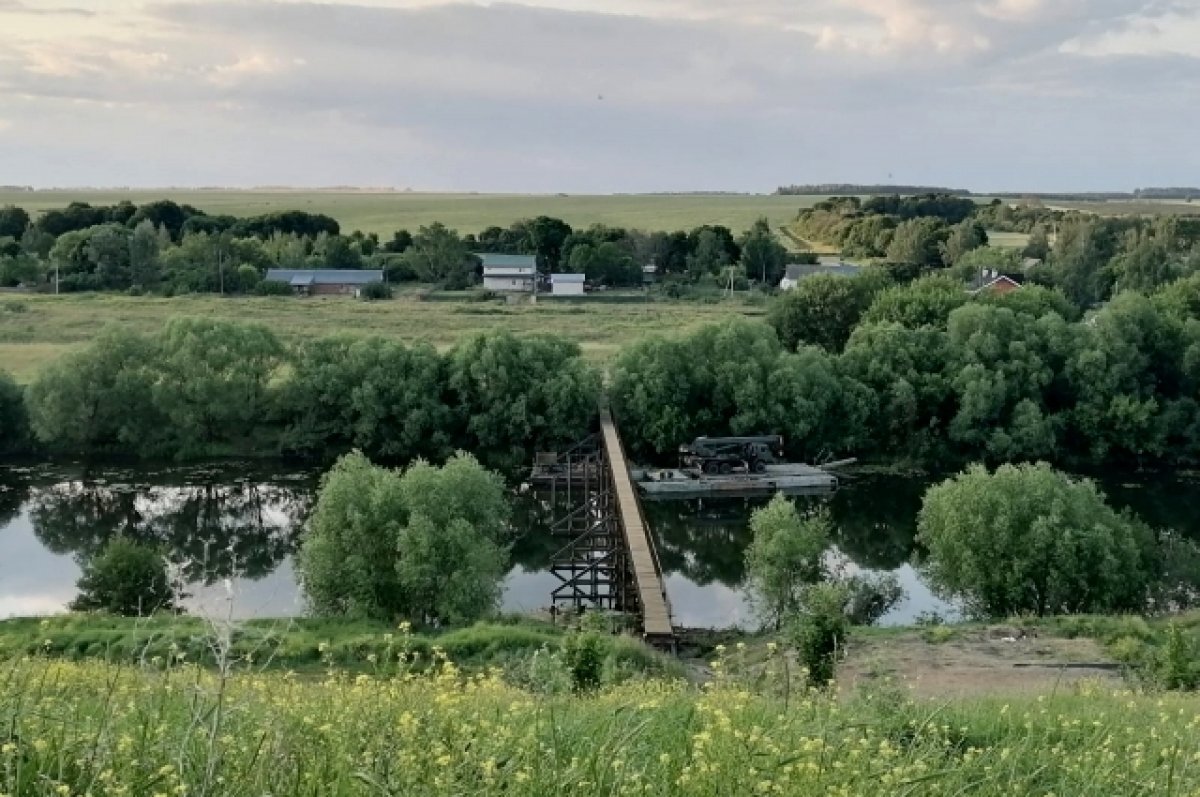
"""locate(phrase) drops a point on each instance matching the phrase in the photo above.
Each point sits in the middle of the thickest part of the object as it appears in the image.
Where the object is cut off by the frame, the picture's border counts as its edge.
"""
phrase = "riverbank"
(1019, 657)
(105, 729)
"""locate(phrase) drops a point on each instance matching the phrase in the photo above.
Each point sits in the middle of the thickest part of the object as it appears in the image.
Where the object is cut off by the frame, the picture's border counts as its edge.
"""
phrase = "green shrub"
(273, 288)
(1178, 668)
(819, 630)
(375, 291)
(126, 579)
(584, 654)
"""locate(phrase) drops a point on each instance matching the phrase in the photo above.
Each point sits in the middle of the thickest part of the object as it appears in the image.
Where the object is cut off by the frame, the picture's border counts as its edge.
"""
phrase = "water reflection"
(233, 531)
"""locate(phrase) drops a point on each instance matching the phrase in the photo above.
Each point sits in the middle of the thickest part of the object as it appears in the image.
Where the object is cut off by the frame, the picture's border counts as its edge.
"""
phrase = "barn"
(325, 282)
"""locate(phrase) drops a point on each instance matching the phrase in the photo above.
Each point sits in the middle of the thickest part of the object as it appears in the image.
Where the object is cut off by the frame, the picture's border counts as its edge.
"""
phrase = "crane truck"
(724, 454)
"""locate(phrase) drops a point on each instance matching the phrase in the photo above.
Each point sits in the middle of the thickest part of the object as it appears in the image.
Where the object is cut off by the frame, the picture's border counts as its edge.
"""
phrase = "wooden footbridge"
(610, 561)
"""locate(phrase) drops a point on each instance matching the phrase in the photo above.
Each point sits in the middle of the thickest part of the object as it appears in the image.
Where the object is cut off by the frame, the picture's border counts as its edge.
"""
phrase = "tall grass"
(69, 728)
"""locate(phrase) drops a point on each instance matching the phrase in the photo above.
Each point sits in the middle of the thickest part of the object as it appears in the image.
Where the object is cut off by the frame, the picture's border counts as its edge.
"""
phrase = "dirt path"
(994, 661)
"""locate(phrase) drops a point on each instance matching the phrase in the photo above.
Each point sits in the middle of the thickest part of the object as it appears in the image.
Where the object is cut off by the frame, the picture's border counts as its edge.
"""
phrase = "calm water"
(232, 536)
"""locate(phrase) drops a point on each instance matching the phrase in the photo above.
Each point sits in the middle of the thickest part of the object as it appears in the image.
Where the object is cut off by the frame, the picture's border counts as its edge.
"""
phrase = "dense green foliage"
(1029, 539)
(930, 373)
(125, 579)
(784, 557)
(819, 629)
(203, 387)
(427, 544)
(732, 378)
(14, 423)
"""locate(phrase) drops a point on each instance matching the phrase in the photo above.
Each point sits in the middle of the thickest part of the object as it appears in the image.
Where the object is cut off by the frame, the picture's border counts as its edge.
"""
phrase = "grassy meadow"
(384, 213)
(36, 329)
(91, 728)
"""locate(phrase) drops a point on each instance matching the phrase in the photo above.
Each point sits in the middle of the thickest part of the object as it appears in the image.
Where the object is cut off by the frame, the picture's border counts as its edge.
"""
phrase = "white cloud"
(696, 93)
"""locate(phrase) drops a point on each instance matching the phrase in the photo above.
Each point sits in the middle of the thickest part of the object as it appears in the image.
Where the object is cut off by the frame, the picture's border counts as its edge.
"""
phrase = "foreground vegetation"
(105, 729)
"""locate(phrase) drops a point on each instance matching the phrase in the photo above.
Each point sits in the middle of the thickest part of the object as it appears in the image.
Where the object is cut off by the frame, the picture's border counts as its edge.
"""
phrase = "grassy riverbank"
(69, 728)
(298, 644)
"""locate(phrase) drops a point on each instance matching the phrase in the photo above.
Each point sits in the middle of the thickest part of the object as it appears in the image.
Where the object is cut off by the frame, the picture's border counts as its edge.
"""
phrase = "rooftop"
(492, 260)
(800, 271)
(324, 276)
(566, 277)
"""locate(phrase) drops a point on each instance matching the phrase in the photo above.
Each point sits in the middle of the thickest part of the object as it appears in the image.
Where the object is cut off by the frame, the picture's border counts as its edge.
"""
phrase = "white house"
(509, 273)
(566, 285)
(795, 273)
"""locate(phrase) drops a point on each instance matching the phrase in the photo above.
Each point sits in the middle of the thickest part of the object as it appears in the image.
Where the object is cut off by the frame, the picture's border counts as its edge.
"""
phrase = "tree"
(337, 251)
(763, 257)
(784, 557)
(126, 579)
(427, 545)
(823, 310)
(521, 394)
(13, 222)
(400, 242)
(14, 420)
(918, 242)
(1038, 245)
(1078, 262)
(964, 237)
(926, 302)
(709, 256)
(380, 396)
(546, 238)
(97, 398)
(164, 214)
(1144, 264)
(212, 380)
(145, 248)
(438, 255)
(1027, 538)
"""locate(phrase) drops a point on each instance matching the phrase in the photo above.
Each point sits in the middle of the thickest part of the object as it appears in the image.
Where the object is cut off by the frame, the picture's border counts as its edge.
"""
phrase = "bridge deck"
(656, 616)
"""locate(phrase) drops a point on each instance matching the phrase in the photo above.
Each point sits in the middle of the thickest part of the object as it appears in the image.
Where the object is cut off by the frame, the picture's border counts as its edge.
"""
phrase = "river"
(232, 530)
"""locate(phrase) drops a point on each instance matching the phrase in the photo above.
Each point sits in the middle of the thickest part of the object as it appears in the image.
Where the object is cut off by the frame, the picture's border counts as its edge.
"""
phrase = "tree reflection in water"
(211, 524)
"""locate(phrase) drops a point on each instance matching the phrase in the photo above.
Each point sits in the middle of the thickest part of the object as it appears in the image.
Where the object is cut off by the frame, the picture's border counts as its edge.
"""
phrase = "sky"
(600, 96)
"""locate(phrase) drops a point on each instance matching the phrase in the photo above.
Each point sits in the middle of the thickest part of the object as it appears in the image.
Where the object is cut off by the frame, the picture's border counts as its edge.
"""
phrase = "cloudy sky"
(601, 95)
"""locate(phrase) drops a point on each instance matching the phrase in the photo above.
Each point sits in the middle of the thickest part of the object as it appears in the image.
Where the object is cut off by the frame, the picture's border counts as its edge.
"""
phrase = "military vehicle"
(726, 454)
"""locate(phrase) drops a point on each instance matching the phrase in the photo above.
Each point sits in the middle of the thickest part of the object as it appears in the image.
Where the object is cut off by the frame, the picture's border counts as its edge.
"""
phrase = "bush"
(126, 579)
(819, 631)
(584, 653)
(375, 291)
(1177, 666)
(273, 288)
(1028, 539)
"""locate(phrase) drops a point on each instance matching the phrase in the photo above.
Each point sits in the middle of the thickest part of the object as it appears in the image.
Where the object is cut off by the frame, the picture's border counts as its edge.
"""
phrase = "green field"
(384, 213)
(34, 330)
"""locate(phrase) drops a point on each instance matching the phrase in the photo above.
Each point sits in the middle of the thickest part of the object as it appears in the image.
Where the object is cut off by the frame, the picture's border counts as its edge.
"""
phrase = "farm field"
(385, 213)
(35, 330)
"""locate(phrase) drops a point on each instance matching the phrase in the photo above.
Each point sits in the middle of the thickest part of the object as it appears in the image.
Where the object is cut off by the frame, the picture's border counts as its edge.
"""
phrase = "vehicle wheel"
(711, 467)
(759, 466)
(726, 468)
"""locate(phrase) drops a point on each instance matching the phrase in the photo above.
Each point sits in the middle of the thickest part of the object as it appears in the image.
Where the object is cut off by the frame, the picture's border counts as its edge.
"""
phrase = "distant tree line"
(1088, 257)
(167, 248)
(205, 388)
(851, 189)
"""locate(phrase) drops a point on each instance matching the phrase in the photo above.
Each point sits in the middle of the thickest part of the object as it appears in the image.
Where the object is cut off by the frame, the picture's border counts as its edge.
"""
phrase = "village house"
(992, 281)
(509, 273)
(325, 282)
(797, 272)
